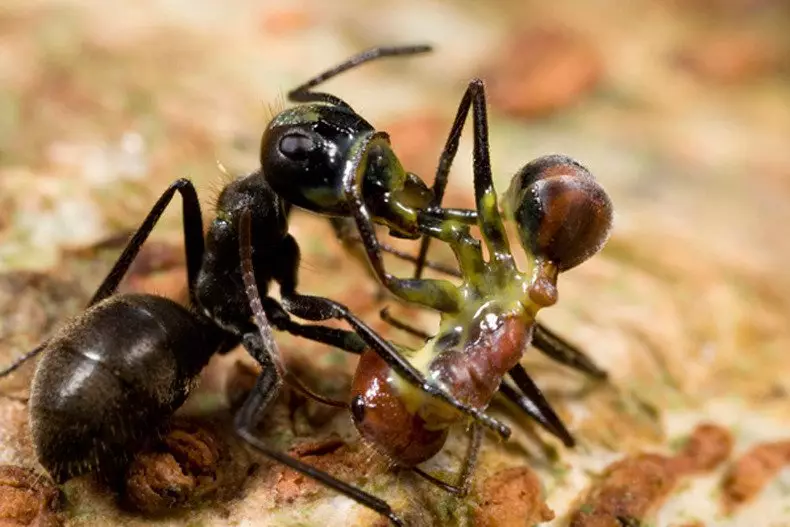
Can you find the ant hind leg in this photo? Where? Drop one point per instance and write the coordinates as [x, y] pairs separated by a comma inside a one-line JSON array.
[[250, 415], [193, 241]]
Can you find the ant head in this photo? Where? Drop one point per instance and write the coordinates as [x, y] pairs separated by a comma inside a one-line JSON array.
[[304, 150], [563, 214]]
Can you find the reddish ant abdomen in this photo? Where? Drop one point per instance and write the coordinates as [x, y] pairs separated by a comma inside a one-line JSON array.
[[472, 372], [382, 418]]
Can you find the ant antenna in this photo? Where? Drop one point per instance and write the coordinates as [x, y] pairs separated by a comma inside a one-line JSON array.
[[23, 359], [303, 94], [270, 347]]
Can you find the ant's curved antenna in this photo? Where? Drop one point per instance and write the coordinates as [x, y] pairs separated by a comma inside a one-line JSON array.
[[302, 93]]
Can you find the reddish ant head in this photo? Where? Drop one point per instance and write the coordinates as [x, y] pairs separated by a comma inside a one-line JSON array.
[[563, 214]]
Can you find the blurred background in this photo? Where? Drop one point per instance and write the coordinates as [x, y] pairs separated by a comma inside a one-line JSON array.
[[681, 108]]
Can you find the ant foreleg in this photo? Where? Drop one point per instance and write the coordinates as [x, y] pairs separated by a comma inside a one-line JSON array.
[[193, 239], [461, 487], [302, 92], [260, 344], [318, 308], [249, 416], [338, 338], [534, 403], [442, 174], [557, 348], [401, 325]]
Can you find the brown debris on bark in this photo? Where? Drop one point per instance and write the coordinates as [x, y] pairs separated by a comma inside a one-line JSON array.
[[750, 473], [632, 488], [707, 447], [27, 498], [512, 497], [185, 469]]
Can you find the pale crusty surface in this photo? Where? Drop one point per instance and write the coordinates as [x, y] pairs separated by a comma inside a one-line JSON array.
[[678, 108]]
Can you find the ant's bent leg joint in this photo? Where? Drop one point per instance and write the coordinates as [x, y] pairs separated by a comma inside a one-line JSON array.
[[440, 295], [313, 308]]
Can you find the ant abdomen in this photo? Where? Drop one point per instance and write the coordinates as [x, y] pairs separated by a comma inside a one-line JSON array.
[[383, 419], [109, 379], [563, 214]]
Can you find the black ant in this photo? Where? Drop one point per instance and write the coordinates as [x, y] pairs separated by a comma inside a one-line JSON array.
[[324, 157]]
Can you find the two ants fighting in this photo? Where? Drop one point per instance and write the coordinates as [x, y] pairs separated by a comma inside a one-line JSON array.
[[120, 370]]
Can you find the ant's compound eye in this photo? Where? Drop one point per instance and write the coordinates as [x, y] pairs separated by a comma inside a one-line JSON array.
[[562, 213], [297, 146], [358, 408]]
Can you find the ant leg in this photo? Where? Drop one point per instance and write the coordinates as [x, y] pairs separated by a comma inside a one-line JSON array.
[[535, 404], [318, 308], [342, 231], [461, 487], [261, 344], [338, 338], [250, 415], [302, 92], [565, 353], [443, 172], [23, 359], [489, 219], [193, 241], [403, 326]]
